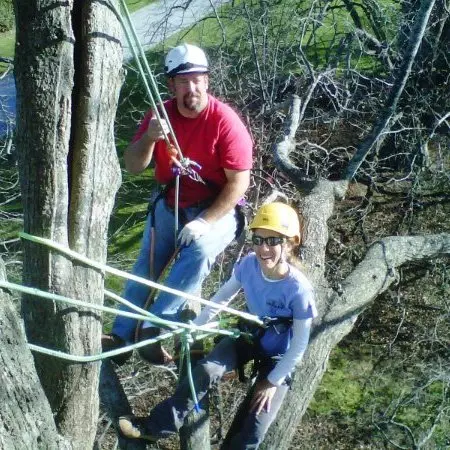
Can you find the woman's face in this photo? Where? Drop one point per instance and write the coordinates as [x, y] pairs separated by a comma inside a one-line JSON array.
[[268, 255]]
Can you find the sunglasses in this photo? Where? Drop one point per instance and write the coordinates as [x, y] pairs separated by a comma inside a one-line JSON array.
[[271, 241]]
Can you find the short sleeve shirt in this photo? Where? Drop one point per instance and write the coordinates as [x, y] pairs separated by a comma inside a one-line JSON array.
[[216, 140]]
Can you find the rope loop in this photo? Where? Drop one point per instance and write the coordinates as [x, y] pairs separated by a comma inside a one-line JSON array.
[[187, 338]]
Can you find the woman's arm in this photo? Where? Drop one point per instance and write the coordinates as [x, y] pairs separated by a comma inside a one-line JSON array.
[[265, 389], [301, 330], [222, 297]]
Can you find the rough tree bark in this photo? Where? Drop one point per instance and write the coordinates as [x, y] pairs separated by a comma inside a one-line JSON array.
[[21, 395], [338, 311], [68, 74]]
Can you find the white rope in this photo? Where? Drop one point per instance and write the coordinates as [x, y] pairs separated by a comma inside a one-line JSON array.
[[105, 268], [208, 329], [139, 54]]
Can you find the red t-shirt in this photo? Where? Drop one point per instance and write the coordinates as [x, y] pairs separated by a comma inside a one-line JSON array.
[[216, 139]]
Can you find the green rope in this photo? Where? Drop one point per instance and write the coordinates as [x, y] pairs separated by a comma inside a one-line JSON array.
[[186, 339], [139, 54], [101, 356], [181, 327], [60, 298], [105, 268]]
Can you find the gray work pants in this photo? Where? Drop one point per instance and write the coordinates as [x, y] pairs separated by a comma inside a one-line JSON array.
[[168, 416]]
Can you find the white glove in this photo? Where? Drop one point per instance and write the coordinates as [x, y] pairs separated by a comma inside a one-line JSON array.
[[193, 230]]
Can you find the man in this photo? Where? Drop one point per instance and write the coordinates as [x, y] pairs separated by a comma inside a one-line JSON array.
[[211, 134]]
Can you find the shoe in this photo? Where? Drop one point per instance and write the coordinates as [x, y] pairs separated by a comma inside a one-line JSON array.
[[113, 342], [132, 427], [153, 353]]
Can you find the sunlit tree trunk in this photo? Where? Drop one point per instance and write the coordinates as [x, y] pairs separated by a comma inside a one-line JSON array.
[[68, 72], [25, 416]]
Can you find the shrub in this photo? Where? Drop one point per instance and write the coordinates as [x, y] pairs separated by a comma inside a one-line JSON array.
[[6, 15]]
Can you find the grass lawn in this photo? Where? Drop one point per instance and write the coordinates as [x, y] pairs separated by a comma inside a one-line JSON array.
[[7, 39], [7, 44], [134, 5]]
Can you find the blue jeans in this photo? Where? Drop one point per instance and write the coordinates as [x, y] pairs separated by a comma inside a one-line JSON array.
[[168, 416], [192, 265]]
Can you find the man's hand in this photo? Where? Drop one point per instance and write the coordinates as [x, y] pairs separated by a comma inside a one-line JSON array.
[[156, 130], [193, 230], [262, 396]]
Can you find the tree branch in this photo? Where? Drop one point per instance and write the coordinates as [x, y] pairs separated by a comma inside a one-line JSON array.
[[378, 271], [378, 130], [283, 148], [371, 277]]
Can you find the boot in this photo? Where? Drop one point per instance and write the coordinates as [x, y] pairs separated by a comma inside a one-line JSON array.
[[153, 353], [113, 342]]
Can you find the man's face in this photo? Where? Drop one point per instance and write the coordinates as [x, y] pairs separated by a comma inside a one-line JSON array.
[[190, 90]]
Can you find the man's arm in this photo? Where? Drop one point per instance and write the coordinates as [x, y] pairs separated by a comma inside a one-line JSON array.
[[237, 184], [138, 155]]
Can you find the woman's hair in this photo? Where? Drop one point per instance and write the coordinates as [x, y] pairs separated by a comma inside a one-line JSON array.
[[292, 248]]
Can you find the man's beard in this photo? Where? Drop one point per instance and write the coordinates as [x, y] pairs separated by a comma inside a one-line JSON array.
[[192, 102]]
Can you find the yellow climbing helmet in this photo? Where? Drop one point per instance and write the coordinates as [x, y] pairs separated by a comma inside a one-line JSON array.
[[278, 217]]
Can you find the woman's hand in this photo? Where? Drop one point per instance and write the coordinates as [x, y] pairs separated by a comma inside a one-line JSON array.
[[262, 396]]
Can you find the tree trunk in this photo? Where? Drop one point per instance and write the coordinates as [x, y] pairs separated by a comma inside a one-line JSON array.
[[26, 419], [68, 74], [338, 313]]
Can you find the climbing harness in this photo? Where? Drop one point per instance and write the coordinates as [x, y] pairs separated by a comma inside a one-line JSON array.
[[249, 348]]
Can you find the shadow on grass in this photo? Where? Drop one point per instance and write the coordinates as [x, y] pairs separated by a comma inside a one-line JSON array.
[[128, 218]]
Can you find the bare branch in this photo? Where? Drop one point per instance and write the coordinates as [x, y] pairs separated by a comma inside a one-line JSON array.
[[404, 71], [287, 145]]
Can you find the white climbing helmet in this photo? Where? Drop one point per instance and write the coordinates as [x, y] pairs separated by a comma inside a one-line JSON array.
[[186, 58]]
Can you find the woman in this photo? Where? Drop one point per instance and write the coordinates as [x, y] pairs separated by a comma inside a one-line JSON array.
[[275, 289]]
